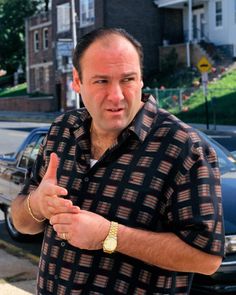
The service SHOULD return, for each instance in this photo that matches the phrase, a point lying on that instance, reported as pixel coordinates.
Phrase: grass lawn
(18, 90)
(221, 99)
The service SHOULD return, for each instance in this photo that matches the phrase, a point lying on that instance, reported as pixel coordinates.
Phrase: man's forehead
(111, 40)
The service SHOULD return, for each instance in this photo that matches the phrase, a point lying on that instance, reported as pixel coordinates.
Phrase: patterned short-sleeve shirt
(159, 176)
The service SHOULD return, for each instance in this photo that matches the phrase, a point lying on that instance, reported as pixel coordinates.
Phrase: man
(128, 196)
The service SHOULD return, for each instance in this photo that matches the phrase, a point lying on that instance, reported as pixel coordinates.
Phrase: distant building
(51, 38)
(209, 27)
(39, 53)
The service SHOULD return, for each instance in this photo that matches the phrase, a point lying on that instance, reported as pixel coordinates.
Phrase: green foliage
(12, 31)
(18, 90)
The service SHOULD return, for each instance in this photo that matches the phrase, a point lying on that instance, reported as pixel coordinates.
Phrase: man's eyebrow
(98, 76)
(129, 74)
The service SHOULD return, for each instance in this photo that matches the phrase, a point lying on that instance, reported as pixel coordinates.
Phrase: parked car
(224, 280)
(226, 138)
(13, 171)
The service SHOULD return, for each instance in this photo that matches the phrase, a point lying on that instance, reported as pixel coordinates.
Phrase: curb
(18, 252)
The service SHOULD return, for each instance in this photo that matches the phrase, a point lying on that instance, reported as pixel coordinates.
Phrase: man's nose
(115, 92)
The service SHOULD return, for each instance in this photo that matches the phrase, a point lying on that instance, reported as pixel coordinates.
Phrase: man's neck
(100, 142)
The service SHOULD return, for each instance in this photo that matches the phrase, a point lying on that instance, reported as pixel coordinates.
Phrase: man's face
(111, 83)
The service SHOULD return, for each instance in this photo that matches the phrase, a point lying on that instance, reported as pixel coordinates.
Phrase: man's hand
(85, 230)
(46, 200)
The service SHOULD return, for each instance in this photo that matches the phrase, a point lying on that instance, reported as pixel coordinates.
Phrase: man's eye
(100, 81)
(128, 79)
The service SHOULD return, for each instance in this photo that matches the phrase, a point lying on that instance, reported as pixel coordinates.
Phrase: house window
(63, 17)
(218, 13)
(45, 38)
(36, 41)
(87, 13)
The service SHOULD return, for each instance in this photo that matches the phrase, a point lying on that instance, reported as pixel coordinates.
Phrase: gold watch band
(110, 243)
(113, 228)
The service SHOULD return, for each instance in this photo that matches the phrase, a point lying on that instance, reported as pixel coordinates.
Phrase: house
(67, 21)
(40, 70)
(39, 53)
(193, 27)
(208, 25)
(91, 14)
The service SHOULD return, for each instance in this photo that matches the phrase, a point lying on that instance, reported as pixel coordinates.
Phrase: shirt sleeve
(195, 204)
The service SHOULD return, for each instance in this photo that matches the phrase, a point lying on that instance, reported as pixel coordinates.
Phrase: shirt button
(86, 179)
(56, 277)
(63, 244)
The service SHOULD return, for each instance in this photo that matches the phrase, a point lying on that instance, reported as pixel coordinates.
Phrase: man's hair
(84, 43)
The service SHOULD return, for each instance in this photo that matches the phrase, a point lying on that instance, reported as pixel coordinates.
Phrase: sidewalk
(41, 117)
(17, 273)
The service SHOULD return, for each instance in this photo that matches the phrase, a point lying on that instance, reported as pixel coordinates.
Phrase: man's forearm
(165, 250)
(22, 219)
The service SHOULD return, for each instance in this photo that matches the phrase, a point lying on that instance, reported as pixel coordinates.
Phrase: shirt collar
(140, 126)
(145, 118)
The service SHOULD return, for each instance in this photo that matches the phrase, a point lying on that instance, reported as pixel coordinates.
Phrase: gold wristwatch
(110, 243)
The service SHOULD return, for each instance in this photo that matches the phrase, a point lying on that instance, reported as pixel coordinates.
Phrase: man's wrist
(31, 212)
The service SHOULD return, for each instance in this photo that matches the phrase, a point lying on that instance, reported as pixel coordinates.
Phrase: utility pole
(74, 40)
(190, 32)
(74, 33)
(204, 67)
(205, 92)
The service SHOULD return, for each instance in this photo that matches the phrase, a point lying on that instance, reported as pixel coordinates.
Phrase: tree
(12, 31)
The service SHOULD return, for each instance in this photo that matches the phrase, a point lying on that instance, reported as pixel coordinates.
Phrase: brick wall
(141, 19)
(26, 104)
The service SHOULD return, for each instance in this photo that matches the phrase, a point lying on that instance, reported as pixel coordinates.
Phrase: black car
(225, 138)
(13, 172)
(14, 168)
(224, 280)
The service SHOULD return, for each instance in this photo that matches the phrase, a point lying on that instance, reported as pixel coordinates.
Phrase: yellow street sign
(203, 65)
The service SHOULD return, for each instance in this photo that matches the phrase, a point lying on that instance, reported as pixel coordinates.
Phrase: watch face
(110, 244)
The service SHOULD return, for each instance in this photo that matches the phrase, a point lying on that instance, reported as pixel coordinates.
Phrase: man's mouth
(115, 110)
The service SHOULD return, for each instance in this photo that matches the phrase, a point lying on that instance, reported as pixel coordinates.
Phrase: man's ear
(76, 81)
(142, 84)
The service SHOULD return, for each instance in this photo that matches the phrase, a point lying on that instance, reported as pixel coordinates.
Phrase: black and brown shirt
(160, 176)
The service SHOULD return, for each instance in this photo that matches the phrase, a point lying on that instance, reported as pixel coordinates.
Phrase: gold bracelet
(30, 210)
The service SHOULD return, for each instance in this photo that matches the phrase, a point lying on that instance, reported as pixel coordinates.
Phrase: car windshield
(226, 160)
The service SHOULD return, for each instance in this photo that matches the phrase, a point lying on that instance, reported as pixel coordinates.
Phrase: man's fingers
(59, 191)
(51, 172)
(64, 217)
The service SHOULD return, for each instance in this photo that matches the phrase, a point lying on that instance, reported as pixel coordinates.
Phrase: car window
(225, 159)
(222, 158)
(30, 153)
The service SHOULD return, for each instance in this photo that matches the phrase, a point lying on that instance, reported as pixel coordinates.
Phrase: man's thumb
(52, 167)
